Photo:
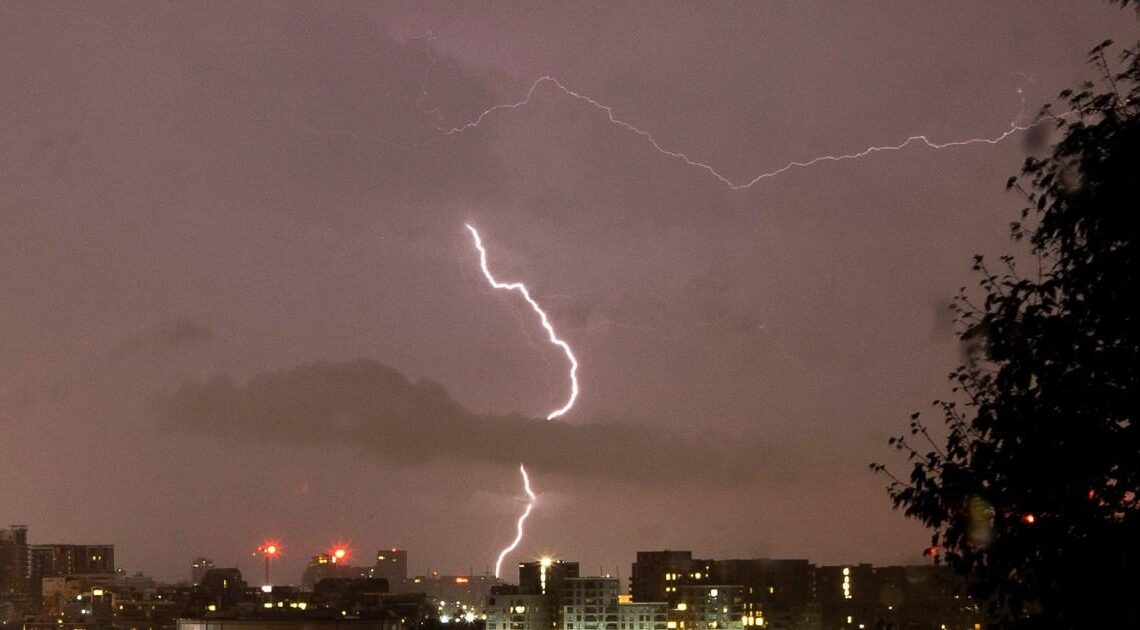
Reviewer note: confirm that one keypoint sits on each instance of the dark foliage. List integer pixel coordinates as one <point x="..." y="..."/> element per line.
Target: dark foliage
<point x="1034" y="494"/>
<point x="1127" y="3"/>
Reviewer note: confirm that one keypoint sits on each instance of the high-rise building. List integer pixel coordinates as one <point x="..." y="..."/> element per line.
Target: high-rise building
<point x="545" y="577"/>
<point x="537" y="602"/>
<point x="392" y="564"/>
<point x="783" y="591"/>
<point x="14" y="561"/>
<point x="56" y="560"/>
<point x="198" y="569"/>
<point x="657" y="574"/>
<point x="848" y="592"/>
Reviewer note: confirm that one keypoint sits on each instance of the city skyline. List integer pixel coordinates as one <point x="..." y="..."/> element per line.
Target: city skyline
<point x="334" y="553"/>
<point x="76" y="587"/>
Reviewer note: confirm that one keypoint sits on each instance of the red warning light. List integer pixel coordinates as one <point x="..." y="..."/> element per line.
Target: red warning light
<point x="338" y="553"/>
<point x="270" y="548"/>
<point x="1028" y="519"/>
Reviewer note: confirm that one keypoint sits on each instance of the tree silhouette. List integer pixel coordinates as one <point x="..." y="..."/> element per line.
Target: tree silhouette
<point x="1032" y="495"/>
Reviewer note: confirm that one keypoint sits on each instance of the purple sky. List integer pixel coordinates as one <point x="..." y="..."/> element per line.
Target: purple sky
<point x="240" y="301"/>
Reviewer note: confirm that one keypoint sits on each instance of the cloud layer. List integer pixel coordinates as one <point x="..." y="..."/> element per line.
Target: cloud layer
<point x="369" y="404"/>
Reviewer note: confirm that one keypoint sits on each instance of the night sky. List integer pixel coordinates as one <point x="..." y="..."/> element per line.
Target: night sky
<point x="240" y="302"/>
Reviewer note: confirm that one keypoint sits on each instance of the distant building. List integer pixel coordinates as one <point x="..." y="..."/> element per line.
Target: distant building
<point x="454" y="595"/>
<point x="350" y="594"/>
<point x="392" y="565"/>
<point x="327" y="566"/>
<point x="797" y="595"/>
<point x="334" y="604"/>
<point x="61" y="593"/>
<point x="222" y="588"/>
<point x="13" y="562"/>
<point x="199" y="567"/>
<point x="66" y="560"/>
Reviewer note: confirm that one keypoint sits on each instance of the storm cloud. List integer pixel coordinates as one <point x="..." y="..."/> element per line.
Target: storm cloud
<point x="377" y="408"/>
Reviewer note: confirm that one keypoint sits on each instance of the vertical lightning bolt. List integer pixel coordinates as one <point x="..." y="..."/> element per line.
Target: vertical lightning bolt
<point x="551" y="335"/>
<point x="522" y="520"/>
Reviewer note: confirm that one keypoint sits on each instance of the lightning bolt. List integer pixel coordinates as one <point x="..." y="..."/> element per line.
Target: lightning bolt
<point x="522" y="520"/>
<point x="551" y="335"/>
<point x="1015" y="126"/>
<point x="554" y="339"/>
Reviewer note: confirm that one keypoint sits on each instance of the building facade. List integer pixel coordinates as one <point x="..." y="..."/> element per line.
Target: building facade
<point x="643" y="615"/>
<point x="14" y="562"/>
<point x="392" y="565"/>
<point x="520" y="611"/>
<point x="590" y="603"/>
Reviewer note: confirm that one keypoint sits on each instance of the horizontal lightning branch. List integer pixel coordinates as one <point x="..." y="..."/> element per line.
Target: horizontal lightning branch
<point x="916" y="140"/>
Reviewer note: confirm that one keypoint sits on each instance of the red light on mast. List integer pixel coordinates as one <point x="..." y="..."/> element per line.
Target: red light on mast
<point x="338" y="553"/>
<point x="270" y="548"/>
<point x="1028" y="519"/>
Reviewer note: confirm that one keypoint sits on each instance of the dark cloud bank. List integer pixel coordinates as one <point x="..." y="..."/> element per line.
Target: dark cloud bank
<point x="368" y="404"/>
